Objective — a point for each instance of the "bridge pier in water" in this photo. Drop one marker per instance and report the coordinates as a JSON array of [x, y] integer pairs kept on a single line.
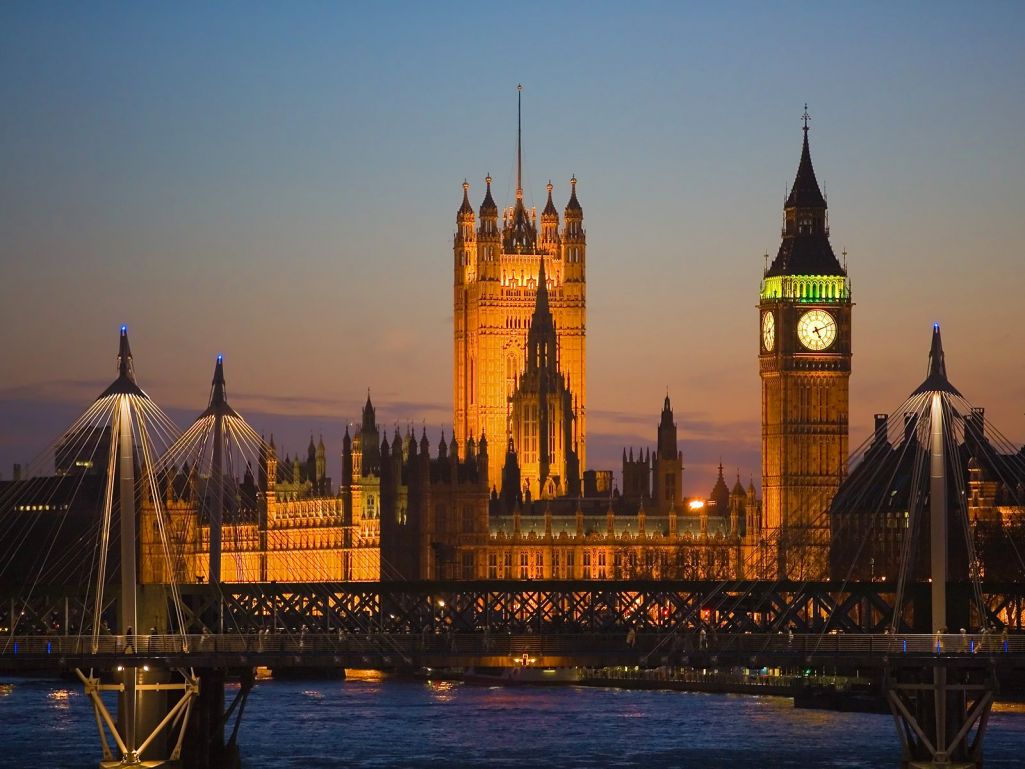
[[204, 746], [941, 712]]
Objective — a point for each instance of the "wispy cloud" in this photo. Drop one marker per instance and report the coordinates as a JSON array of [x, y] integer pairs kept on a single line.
[[82, 391]]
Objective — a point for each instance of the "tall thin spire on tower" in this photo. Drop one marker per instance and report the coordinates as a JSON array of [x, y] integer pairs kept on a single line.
[[519, 140]]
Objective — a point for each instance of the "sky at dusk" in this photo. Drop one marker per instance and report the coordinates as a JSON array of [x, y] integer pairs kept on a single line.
[[280, 183]]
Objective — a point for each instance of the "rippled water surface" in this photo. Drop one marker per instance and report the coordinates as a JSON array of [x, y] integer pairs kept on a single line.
[[388, 723]]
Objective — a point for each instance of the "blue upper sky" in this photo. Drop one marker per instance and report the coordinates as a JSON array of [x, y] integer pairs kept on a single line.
[[279, 183]]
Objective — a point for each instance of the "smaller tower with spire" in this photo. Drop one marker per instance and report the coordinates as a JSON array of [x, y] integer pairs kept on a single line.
[[541, 408], [668, 464]]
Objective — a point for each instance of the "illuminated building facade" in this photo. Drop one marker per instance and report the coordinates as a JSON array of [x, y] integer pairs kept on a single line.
[[648, 531], [805, 365], [541, 411], [285, 526], [497, 267]]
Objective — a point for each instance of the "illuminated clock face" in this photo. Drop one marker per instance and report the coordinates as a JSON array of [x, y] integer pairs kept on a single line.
[[768, 331], [816, 329]]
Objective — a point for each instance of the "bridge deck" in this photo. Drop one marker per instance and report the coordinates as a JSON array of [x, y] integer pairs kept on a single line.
[[377, 650]]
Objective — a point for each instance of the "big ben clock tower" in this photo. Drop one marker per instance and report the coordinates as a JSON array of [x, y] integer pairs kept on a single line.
[[805, 363]]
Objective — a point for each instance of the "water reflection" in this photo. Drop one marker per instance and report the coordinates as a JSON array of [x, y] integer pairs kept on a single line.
[[1009, 707], [443, 691], [60, 699], [410, 724]]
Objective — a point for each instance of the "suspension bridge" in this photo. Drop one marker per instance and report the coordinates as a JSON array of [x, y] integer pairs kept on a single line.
[[169, 683]]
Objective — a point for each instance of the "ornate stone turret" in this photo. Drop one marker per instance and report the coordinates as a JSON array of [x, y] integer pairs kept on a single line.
[[321, 458], [738, 499], [574, 239], [489, 243], [541, 408], [512, 488], [549, 240], [465, 240], [719, 496], [668, 465], [311, 463]]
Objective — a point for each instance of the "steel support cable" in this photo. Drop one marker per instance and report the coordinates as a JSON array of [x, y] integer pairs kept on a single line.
[[915, 503], [108, 500], [824, 515], [184, 446], [876, 515], [164, 431], [96, 419], [29, 527], [1008, 462], [851, 513], [244, 451], [40, 478], [182, 449], [962, 505], [149, 473]]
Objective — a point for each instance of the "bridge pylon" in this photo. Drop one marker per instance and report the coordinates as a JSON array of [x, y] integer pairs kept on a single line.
[[154, 704], [941, 709]]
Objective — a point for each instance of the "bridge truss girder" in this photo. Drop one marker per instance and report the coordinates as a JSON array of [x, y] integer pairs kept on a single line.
[[519, 606], [559, 606]]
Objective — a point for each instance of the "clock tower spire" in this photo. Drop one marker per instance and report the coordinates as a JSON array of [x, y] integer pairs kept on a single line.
[[804, 364]]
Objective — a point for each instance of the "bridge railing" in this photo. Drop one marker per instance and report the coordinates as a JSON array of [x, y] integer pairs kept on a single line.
[[648, 648]]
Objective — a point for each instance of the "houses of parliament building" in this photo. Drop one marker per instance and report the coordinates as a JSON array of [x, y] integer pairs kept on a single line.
[[507, 496]]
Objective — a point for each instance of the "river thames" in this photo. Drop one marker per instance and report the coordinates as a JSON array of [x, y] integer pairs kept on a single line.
[[392, 723]]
